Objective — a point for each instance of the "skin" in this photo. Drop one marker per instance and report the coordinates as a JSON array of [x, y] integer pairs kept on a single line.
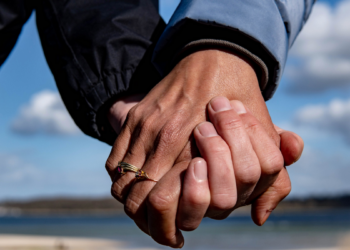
[[212, 179], [157, 136]]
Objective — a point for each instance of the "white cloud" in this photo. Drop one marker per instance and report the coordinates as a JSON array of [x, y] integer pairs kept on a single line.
[[333, 117], [45, 113], [318, 173], [321, 53]]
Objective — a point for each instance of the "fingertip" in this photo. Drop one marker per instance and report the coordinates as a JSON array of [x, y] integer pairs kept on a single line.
[[268, 201], [197, 172], [292, 146], [195, 198], [200, 170], [260, 215], [278, 129], [205, 129], [219, 104], [179, 240], [264, 219]]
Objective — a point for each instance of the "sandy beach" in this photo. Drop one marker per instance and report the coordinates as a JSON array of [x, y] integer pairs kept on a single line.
[[20, 242]]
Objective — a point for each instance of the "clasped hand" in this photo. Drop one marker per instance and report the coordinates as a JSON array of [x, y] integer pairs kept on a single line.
[[241, 162]]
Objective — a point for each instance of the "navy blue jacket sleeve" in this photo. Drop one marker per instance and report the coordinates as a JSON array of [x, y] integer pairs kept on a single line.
[[266, 28]]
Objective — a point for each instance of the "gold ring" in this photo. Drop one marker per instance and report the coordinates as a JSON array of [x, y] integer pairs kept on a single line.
[[124, 167], [142, 175]]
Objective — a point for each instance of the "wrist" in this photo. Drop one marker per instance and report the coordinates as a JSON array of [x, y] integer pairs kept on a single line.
[[221, 73], [258, 65]]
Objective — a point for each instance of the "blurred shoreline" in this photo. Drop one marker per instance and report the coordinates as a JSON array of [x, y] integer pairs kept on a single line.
[[106, 206]]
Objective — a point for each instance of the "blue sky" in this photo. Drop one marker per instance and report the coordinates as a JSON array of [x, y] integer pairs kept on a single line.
[[311, 100]]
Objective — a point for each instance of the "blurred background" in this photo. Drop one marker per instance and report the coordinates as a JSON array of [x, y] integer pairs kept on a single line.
[[53, 181]]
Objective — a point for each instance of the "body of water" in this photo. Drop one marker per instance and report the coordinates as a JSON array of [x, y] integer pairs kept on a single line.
[[288, 231]]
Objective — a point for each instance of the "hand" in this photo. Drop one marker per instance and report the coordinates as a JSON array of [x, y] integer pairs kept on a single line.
[[157, 131], [196, 193], [218, 182]]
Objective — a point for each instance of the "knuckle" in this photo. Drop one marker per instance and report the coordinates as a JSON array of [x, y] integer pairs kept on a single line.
[[132, 205], [286, 191], [274, 164], [220, 216], [116, 192], [249, 175], [223, 202], [218, 148], [229, 123], [253, 127], [147, 125], [197, 201], [166, 140], [169, 134], [159, 202], [134, 112], [109, 166], [187, 226], [249, 179], [131, 116]]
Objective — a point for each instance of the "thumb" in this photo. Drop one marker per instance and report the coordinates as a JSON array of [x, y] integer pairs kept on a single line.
[[291, 147], [268, 201], [119, 110]]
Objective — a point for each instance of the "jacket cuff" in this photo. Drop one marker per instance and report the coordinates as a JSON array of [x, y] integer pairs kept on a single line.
[[258, 65], [103, 100], [256, 26], [97, 56]]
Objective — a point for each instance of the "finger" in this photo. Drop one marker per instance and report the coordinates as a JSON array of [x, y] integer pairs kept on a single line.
[[118, 112], [268, 201], [269, 155], [135, 204], [167, 148], [136, 156], [195, 198], [133, 153], [162, 205], [118, 150], [292, 146], [231, 128], [221, 174]]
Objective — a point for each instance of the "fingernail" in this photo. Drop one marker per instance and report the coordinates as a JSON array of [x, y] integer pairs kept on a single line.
[[200, 171], [238, 107], [219, 104], [207, 129]]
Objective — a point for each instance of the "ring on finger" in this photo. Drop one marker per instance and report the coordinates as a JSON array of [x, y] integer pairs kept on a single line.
[[124, 167]]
